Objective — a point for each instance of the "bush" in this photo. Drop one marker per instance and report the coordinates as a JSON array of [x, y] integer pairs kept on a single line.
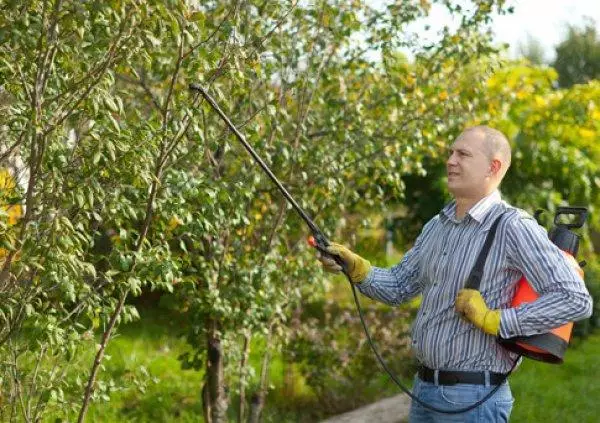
[[336, 360]]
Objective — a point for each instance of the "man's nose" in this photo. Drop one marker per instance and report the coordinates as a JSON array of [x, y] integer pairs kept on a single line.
[[451, 160]]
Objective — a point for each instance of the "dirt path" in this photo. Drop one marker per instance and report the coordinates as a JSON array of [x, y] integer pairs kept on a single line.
[[390, 410]]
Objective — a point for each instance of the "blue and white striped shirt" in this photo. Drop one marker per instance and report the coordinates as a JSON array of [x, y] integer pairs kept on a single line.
[[438, 265]]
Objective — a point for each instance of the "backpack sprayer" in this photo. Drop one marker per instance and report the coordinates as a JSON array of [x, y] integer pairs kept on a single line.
[[549, 347], [527, 346]]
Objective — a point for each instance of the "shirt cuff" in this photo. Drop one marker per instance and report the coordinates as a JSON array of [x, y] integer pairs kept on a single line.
[[366, 282], [509, 324]]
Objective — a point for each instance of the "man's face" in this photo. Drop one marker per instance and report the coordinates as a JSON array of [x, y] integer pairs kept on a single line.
[[468, 167]]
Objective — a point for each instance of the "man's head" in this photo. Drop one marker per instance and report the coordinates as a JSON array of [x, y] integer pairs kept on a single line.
[[479, 159]]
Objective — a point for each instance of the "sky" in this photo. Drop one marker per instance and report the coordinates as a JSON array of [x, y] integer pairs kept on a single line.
[[544, 20]]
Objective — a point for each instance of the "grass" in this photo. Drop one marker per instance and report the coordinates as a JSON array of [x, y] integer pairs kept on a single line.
[[145, 355], [560, 393], [144, 358]]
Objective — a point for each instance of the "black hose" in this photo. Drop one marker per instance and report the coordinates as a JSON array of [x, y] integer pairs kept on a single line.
[[400, 385]]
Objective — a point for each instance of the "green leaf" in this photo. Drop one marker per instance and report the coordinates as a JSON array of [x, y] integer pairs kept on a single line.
[[114, 123], [112, 106]]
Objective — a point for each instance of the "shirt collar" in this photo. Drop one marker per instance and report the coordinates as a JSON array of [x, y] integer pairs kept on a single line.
[[477, 212]]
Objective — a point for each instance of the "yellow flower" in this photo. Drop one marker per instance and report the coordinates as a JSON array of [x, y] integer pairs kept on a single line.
[[586, 133], [539, 101]]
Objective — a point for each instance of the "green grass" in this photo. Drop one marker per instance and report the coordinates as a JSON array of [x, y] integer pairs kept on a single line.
[[143, 357], [560, 393], [166, 393], [163, 392]]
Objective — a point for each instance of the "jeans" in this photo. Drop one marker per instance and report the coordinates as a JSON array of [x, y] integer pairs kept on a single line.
[[453, 397]]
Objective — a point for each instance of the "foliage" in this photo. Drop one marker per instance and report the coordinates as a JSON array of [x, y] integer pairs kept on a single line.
[[134, 184], [339, 366], [57, 60], [578, 56], [553, 135], [532, 50]]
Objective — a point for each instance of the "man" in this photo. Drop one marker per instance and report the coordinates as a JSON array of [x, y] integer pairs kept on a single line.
[[454, 334]]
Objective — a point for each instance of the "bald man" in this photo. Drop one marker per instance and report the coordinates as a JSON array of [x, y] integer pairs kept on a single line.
[[454, 336]]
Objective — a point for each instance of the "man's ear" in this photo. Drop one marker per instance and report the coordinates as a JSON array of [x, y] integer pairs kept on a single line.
[[495, 166]]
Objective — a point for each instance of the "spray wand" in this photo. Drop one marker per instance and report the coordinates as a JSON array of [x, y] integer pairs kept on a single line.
[[318, 238]]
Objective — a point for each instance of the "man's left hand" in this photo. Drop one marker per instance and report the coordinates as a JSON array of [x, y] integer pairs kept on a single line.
[[470, 305]]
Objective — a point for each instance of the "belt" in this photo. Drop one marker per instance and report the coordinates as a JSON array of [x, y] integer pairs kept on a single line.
[[446, 377]]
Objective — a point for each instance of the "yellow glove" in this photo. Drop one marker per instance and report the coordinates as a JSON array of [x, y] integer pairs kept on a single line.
[[358, 267], [470, 304]]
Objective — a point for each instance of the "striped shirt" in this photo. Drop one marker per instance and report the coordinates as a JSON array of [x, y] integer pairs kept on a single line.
[[439, 263]]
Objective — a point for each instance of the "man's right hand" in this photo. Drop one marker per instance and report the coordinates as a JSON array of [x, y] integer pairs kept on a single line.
[[358, 267]]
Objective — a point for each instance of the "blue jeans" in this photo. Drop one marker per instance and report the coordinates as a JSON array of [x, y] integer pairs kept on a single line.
[[453, 397]]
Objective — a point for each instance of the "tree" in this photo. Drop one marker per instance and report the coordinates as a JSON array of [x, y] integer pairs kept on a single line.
[[58, 117], [553, 135], [304, 97], [578, 56], [533, 50]]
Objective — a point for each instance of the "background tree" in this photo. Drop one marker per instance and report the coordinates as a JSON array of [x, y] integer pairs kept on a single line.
[[554, 135], [533, 50], [578, 56]]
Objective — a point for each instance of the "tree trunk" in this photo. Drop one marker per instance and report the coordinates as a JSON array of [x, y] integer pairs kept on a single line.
[[215, 399], [206, 409]]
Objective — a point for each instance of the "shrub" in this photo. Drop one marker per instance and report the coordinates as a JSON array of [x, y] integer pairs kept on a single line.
[[335, 358]]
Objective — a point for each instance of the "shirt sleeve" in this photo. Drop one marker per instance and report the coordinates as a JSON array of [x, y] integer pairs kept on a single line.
[[563, 296], [400, 282]]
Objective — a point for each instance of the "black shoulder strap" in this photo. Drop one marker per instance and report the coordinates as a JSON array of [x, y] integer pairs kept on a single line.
[[474, 279]]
